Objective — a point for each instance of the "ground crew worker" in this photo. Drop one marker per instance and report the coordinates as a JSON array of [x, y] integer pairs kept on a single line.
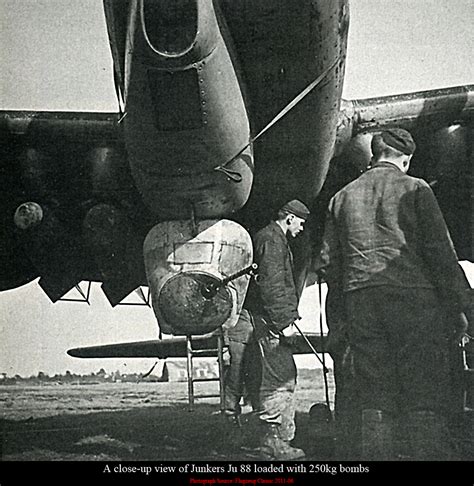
[[273, 304], [347, 411], [387, 247]]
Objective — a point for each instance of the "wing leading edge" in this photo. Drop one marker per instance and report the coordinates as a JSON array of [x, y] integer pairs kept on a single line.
[[176, 347]]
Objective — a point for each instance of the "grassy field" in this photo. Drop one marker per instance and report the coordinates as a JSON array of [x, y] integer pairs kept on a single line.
[[151, 421], [134, 421]]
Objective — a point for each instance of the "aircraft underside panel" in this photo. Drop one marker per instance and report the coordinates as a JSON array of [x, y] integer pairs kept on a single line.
[[264, 54], [282, 50]]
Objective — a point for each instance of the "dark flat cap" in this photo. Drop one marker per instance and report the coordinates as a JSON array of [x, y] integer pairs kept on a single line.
[[297, 208], [399, 139]]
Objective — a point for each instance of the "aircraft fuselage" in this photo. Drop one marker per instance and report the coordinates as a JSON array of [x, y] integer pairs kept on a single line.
[[199, 81], [229, 108]]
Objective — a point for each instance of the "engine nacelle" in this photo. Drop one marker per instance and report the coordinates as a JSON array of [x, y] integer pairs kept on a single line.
[[186, 127]]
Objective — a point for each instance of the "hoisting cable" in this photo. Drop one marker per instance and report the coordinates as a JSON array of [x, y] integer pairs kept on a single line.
[[282, 113], [295, 101]]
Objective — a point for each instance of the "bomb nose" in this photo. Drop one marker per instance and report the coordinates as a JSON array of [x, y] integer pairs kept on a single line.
[[195, 301]]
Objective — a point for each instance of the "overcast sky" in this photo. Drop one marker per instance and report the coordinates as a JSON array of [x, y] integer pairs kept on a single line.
[[55, 56]]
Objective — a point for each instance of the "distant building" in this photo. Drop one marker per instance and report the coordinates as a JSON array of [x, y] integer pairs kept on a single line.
[[176, 369]]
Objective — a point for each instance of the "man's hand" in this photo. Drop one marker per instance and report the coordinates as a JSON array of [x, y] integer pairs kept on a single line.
[[289, 331]]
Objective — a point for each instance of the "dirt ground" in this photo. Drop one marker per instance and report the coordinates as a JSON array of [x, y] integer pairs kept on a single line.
[[145, 422], [133, 421]]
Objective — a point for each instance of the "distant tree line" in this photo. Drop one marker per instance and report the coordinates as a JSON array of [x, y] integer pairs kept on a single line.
[[100, 376]]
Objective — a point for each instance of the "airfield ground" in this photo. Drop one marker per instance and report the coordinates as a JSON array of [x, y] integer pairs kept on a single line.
[[145, 422], [132, 421]]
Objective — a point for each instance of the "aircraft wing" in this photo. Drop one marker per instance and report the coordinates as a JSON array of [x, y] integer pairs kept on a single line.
[[176, 347], [63, 161], [41, 127], [418, 111]]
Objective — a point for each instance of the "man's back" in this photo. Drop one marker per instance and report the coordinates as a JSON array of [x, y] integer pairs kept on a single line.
[[382, 243], [387, 246]]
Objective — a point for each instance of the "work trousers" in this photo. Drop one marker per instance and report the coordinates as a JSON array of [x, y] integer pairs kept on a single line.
[[402, 349], [262, 365], [278, 384]]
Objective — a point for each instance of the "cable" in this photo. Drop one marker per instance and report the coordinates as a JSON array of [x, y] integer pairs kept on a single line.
[[325, 370], [283, 112]]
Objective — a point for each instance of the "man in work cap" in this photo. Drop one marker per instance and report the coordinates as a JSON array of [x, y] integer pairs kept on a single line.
[[388, 252], [271, 307], [297, 208], [259, 358], [398, 139]]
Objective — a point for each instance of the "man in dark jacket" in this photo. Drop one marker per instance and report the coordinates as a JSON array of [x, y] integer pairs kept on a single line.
[[388, 249], [273, 304]]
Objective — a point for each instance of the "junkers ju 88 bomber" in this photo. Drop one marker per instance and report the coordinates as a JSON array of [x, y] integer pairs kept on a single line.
[[220, 101]]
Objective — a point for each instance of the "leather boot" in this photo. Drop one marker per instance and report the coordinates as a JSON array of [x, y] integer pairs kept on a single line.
[[376, 436], [274, 448], [428, 437]]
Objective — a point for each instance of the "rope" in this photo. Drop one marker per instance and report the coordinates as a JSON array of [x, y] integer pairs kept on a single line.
[[296, 100], [283, 112], [233, 175]]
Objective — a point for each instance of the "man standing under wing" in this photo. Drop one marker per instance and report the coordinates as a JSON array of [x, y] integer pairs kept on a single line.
[[272, 301], [242, 375], [387, 246]]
